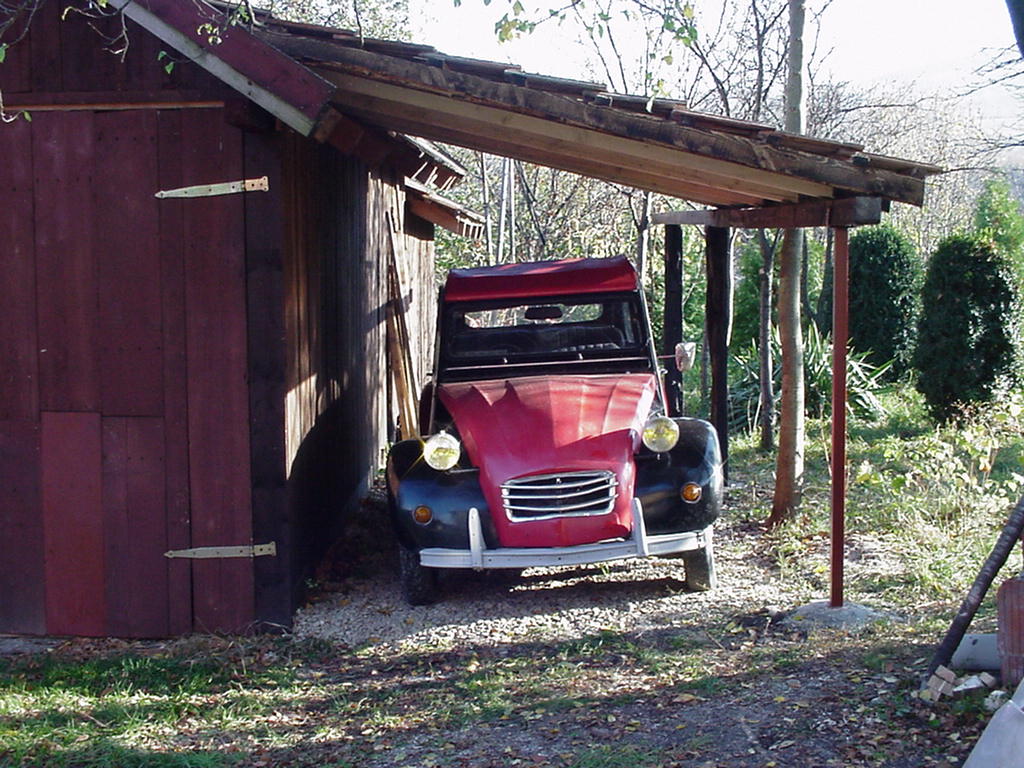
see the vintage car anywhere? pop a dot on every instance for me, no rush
(546, 440)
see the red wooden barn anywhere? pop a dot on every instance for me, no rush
(186, 373)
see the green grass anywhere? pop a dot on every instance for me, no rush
(124, 709)
(933, 497)
(925, 507)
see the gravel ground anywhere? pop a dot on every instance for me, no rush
(740, 690)
(540, 604)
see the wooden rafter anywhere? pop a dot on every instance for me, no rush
(701, 148)
(276, 82)
(846, 212)
(435, 115)
(632, 174)
(439, 210)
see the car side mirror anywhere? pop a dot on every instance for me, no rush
(685, 355)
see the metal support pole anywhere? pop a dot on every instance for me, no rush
(840, 335)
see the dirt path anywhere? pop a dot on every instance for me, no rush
(621, 666)
(595, 667)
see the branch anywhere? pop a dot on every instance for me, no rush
(528, 195)
(894, 105)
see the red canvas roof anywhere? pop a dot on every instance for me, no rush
(541, 278)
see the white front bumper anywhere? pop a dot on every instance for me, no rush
(639, 545)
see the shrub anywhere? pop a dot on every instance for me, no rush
(998, 216)
(885, 277)
(967, 331)
(746, 301)
(863, 380)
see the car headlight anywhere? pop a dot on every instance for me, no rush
(441, 451)
(660, 434)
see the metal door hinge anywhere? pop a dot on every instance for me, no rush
(261, 184)
(206, 553)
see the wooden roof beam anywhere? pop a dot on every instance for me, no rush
(441, 211)
(581, 151)
(381, 102)
(556, 108)
(275, 81)
(845, 212)
(631, 174)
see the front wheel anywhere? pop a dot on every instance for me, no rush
(419, 584)
(700, 569)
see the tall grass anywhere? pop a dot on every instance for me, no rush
(864, 380)
(925, 503)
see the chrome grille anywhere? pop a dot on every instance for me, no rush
(561, 495)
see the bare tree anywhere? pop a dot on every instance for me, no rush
(559, 214)
(369, 18)
(789, 465)
(766, 409)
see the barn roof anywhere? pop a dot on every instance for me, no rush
(333, 83)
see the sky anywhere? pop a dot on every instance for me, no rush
(936, 44)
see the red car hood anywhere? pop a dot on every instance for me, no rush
(549, 424)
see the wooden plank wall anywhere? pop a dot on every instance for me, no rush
(124, 402)
(264, 237)
(334, 325)
(421, 293)
(125, 424)
(60, 58)
(218, 400)
(338, 415)
(21, 547)
(155, 393)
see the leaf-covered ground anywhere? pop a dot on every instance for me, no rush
(727, 685)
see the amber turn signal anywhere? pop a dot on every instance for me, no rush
(422, 515)
(691, 492)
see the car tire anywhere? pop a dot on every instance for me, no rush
(419, 584)
(700, 569)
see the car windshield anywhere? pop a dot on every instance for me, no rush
(588, 327)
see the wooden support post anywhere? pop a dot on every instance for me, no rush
(672, 328)
(718, 310)
(840, 334)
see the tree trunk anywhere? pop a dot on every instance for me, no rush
(502, 202)
(789, 467)
(487, 209)
(766, 415)
(805, 298)
(718, 314)
(643, 235)
(824, 311)
(795, 69)
(705, 365)
(512, 232)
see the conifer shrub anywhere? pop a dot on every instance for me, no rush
(885, 280)
(967, 333)
(746, 300)
(997, 214)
